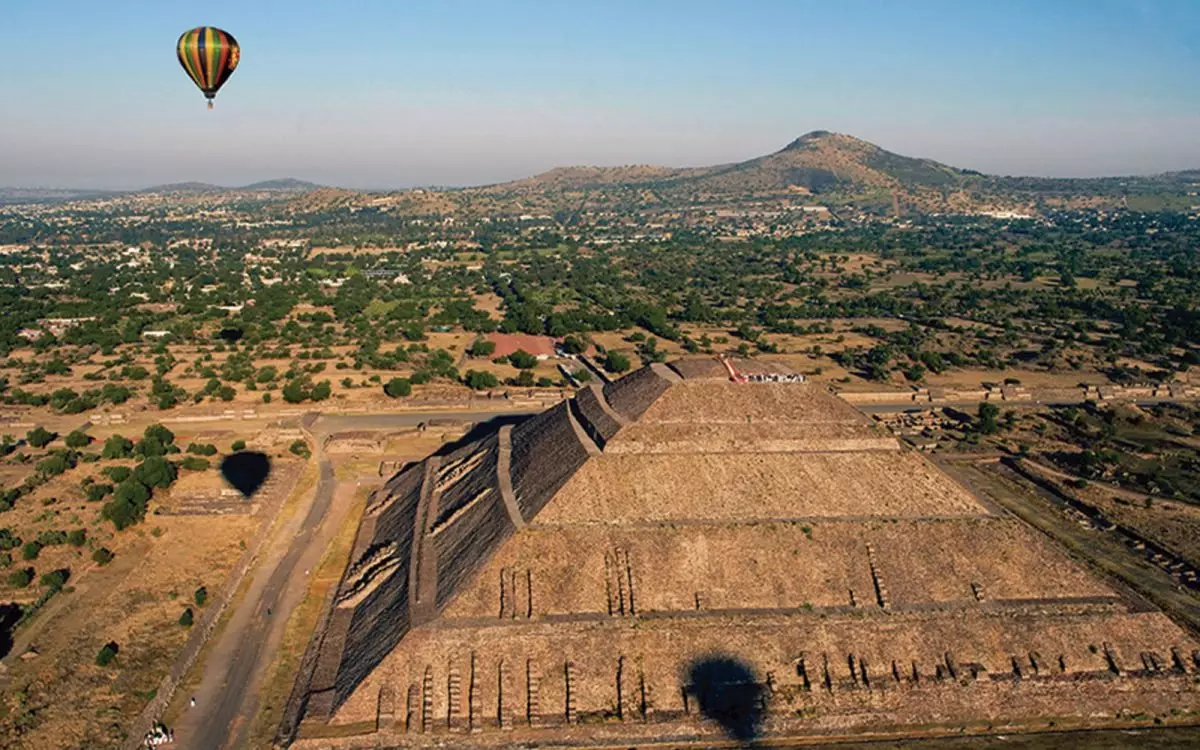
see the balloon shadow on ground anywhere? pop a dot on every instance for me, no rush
(230, 335)
(246, 471)
(10, 614)
(727, 692)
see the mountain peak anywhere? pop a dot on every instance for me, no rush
(817, 136)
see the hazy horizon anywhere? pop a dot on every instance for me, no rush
(380, 95)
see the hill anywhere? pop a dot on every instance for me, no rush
(838, 169)
(284, 185)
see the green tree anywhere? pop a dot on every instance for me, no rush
(483, 348)
(78, 439)
(523, 360)
(296, 391)
(117, 447)
(53, 465)
(77, 537)
(186, 618)
(107, 654)
(103, 556)
(20, 578)
(195, 463)
(128, 505)
(574, 345)
(480, 380)
(160, 433)
(616, 362)
(238, 445)
(200, 596)
(39, 437)
(155, 471)
(31, 550)
(987, 418)
(55, 579)
(300, 448)
(117, 473)
(321, 391)
(398, 388)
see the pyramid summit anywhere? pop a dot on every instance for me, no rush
(674, 554)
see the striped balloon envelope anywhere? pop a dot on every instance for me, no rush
(209, 56)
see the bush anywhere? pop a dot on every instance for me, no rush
(107, 654)
(296, 391)
(77, 537)
(117, 446)
(483, 348)
(39, 437)
(480, 380)
(103, 556)
(6, 559)
(300, 448)
(186, 618)
(238, 445)
(31, 550)
(195, 463)
(9, 540)
(52, 538)
(20, 578)
(53, 465)
(159, 433)
(155, 472)
(128, 505)
(616, 362)
(523, 360)
(202, 449)
(321, 391)
(78, 439)
(200, 596)
(56, 579)
(398, 388)
(117, 473)
(574, 345)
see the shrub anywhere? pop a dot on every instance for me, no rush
(200, 596)
(296, 391)
(194, 463)
(9, 540)
(78, 439)
(107, 654)
(155, 472)
(398, 388)
(53, 465)
(300, 448)
(614, 361)
(574, 345)
(238, 445)
(202, 449)
(56, 579)
(480, 380)
(103, 556)
(128, 505)
(21, 578)
(31, 550)
(117, 446)
(52, 538)
(77, 537)
(186, 618)
(483, 348)
(523, 360)
(117, 473)
(160, 433)
(321, 391)
(39, 437)
(6, 559)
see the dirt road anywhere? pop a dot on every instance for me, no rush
(227, 697)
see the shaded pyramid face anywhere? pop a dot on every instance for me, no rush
(674, 552)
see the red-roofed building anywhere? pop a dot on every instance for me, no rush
(541, 347)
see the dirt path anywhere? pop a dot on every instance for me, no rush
(227, 697)
(236, 657)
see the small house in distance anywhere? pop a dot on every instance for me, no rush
(541, 347)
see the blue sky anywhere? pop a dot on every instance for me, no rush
(392, 93)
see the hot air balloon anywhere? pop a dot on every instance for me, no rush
(209, 56)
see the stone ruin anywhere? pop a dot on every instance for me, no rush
(670, 550)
